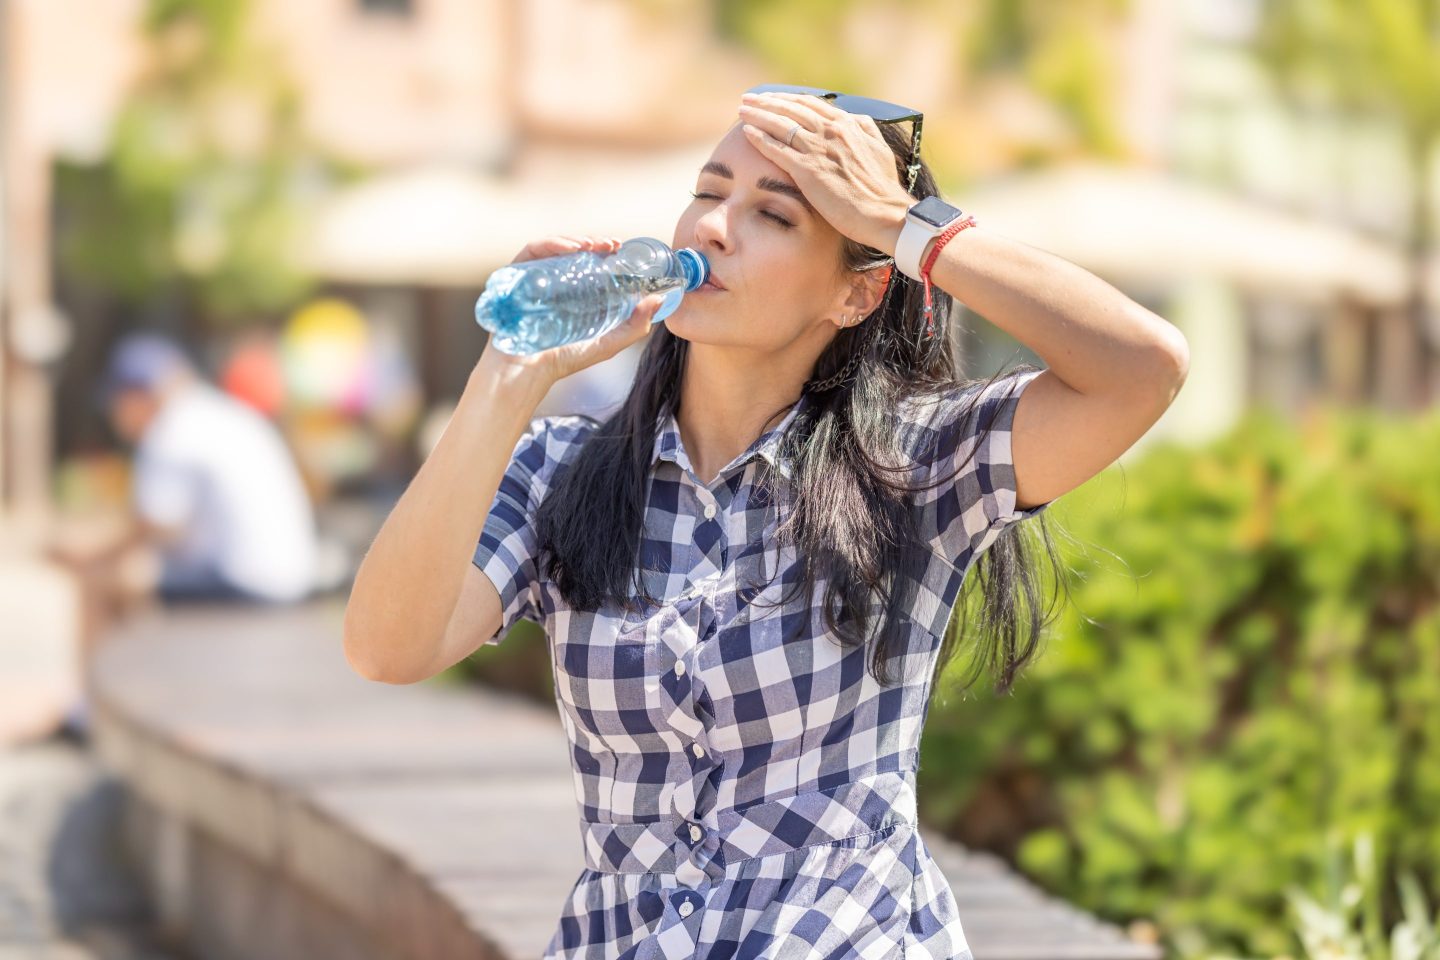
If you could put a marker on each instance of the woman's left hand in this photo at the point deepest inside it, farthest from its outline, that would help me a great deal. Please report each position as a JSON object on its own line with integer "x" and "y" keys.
{"x": 839, "y": 160}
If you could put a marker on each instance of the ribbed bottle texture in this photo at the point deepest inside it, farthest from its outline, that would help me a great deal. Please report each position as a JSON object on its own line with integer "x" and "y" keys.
{"x": 538, "y": 304}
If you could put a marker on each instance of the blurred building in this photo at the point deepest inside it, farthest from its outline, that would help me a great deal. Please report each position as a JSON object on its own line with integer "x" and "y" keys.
{"x": 487, "y": 123}
{"x": 1312, "y": 307}
{"x": 1274, "y": 240}
{"x": 482, "y": 125}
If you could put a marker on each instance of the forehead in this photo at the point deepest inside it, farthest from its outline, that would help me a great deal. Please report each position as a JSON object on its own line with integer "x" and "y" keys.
{"x": 749, "y": 164}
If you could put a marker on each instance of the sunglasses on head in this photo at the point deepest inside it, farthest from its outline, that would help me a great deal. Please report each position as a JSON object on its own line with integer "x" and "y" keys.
{"x": 878, "y": 110}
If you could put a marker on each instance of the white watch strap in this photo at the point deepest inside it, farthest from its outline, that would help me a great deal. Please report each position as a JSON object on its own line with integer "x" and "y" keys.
{"x": 913, "y": 238}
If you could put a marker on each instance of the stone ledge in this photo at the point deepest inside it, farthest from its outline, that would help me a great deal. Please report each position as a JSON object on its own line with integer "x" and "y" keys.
{"x": 364, "y": 819}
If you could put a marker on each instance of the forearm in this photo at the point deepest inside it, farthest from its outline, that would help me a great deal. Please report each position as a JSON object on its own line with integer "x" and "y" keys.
{"x": 411, "y": 577}
{"x": 87, "y": 554}
{"x": 137, "y": 533}
{"x": 1092, "y": 336}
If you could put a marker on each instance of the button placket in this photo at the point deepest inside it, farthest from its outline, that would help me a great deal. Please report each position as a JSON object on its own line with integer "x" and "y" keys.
{"x": 710, "y": 535}
{"x": 699, "y": 832}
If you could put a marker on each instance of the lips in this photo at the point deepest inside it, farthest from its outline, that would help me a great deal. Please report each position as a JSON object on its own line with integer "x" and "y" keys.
{"x": 713, "y": 283}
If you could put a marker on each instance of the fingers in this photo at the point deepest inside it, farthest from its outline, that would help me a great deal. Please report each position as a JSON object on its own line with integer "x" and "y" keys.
{"x": 821, "y": 105}
{"x": 809, "y": 111}
{"x": 776, "y": 120}
{"x": 644, "y": 313}
{"x": 561, "y": 244}
{"x": 868, "y": 122}
{"x": 642, "y": 318}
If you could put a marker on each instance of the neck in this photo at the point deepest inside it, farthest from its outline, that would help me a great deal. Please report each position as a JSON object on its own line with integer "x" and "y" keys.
{"x": 726, "y": 406}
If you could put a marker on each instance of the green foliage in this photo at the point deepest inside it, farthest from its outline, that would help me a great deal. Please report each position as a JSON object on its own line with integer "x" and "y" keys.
{"x": 520, "y": 663}
{"x": 1057, "y": 49}
{"x": 207, "y": 176}
{"x": 1060, "y": 49}
{"x": 1346, "y": 920}
{"x": 1365, "y": 55}
{"x": 1264, "y": 670}
{"x": 799, "y": 39}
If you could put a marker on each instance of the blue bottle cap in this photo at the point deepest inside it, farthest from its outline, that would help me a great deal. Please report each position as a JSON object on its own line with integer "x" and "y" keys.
{"x": 697, "y": 268}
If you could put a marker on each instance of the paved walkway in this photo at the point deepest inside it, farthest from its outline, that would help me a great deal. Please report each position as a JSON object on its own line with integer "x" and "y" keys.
{"x": 65, "y": 891}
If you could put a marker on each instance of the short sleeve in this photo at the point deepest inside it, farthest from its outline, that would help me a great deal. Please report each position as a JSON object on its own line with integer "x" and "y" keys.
{"x": 506, "y": 551}
{"x": 968, "y": 434}
{"x": 166, "y": 492}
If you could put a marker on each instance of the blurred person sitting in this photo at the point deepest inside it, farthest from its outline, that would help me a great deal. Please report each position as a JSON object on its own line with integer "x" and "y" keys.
{"x": 215, "y": 489}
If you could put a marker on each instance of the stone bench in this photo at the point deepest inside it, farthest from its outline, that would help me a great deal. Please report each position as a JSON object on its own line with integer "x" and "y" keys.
{"x": 280, "y": 806}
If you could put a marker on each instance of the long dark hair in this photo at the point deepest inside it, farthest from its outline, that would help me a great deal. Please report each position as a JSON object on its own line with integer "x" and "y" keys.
{"x": 852, "y": 520}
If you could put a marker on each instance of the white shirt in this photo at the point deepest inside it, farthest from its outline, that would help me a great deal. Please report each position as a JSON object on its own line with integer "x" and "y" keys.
{"x": 221, "y": 470}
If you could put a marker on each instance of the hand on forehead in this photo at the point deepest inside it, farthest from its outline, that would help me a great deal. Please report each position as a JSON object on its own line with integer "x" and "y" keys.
{"x": 842, "y": 164}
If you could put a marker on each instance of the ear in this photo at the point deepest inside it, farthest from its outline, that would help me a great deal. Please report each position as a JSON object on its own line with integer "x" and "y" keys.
{"x": 867, "y": 290}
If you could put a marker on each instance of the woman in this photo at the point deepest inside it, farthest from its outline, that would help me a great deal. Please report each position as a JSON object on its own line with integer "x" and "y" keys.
{"x": 747, "y": 572}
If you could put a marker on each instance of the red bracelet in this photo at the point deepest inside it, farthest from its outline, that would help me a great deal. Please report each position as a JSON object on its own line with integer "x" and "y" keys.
{"x": 940, "y": 241}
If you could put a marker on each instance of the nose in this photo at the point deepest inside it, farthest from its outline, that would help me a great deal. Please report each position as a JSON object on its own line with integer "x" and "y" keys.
{"x": 713, "y": 228}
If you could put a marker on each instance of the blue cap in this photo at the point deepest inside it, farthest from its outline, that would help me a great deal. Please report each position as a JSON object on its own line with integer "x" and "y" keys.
{"x": 143, "y": 360}
{"x": 697, "y": 267}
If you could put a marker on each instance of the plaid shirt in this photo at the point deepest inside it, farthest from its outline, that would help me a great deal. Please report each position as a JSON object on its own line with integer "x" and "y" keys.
{"x": 745, "y": 787}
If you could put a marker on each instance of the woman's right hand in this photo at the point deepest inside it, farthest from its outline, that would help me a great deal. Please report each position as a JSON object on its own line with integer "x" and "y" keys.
{"x": 559, "y": 362}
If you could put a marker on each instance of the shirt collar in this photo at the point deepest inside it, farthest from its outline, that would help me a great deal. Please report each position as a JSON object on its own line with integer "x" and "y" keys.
{"x": 767, "y": 446}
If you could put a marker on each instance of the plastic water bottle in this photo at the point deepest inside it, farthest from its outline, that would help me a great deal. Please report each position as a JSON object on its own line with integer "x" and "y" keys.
{"x": 538, "y": 304}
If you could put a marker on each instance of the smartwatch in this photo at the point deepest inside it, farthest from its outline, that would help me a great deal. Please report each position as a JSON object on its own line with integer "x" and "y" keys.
{"x": 923, "y": 222}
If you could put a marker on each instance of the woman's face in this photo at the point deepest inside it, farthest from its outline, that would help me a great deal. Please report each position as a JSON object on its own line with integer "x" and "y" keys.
{"x": 778, "y": 260}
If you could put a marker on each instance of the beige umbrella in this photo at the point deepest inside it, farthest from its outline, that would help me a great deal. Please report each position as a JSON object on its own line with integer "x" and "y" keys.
{"x": 454, "y": 226}
{"x": 1137, "y": 225}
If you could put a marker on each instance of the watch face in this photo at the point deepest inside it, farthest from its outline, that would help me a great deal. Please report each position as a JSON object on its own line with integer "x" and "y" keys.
{"x": 934, "y": 211}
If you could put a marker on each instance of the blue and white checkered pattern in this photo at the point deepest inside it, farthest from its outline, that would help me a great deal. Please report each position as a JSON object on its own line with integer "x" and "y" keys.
{"x": 745, "y": 787}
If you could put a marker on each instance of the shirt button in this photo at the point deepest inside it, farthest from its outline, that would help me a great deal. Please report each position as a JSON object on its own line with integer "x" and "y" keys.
{"x": 694, "y": 832}
{"x": 696, "y": 749}
{"x": 679, "y": 668}
{"x": 686, "y": 908}
{"x": 709, "y": 511}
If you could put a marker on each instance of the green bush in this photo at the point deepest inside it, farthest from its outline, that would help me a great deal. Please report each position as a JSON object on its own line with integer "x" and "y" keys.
{"x": 1256, "y": 664}
{"x": 1346, "y": 922}
{"x": 520, "y": 663}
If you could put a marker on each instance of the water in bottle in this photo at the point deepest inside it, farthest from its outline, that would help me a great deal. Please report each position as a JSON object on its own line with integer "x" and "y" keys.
{"x": 538, "y": 304}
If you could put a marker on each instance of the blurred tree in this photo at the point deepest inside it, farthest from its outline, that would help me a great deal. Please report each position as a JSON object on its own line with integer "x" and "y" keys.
{"x": 1369, "y": 58}
{"x": 801, "y": 39}
{"x": 205, "y": 178}
{"x": 1060, "y": 48}
{"x": 1056, "y": 51}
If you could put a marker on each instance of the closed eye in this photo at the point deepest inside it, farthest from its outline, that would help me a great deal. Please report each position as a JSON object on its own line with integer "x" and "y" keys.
{"x": 764, "y": 213}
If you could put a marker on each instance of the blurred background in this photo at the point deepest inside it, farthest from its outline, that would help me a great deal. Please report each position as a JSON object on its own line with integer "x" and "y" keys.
{"x": 306, "y": 196}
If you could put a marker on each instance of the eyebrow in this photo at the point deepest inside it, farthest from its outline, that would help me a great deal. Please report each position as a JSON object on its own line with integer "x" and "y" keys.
{"x": 764, "y": 183}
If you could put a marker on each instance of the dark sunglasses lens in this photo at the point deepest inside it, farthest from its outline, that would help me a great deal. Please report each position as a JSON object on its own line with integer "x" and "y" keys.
{"x": 877, "y": 109}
